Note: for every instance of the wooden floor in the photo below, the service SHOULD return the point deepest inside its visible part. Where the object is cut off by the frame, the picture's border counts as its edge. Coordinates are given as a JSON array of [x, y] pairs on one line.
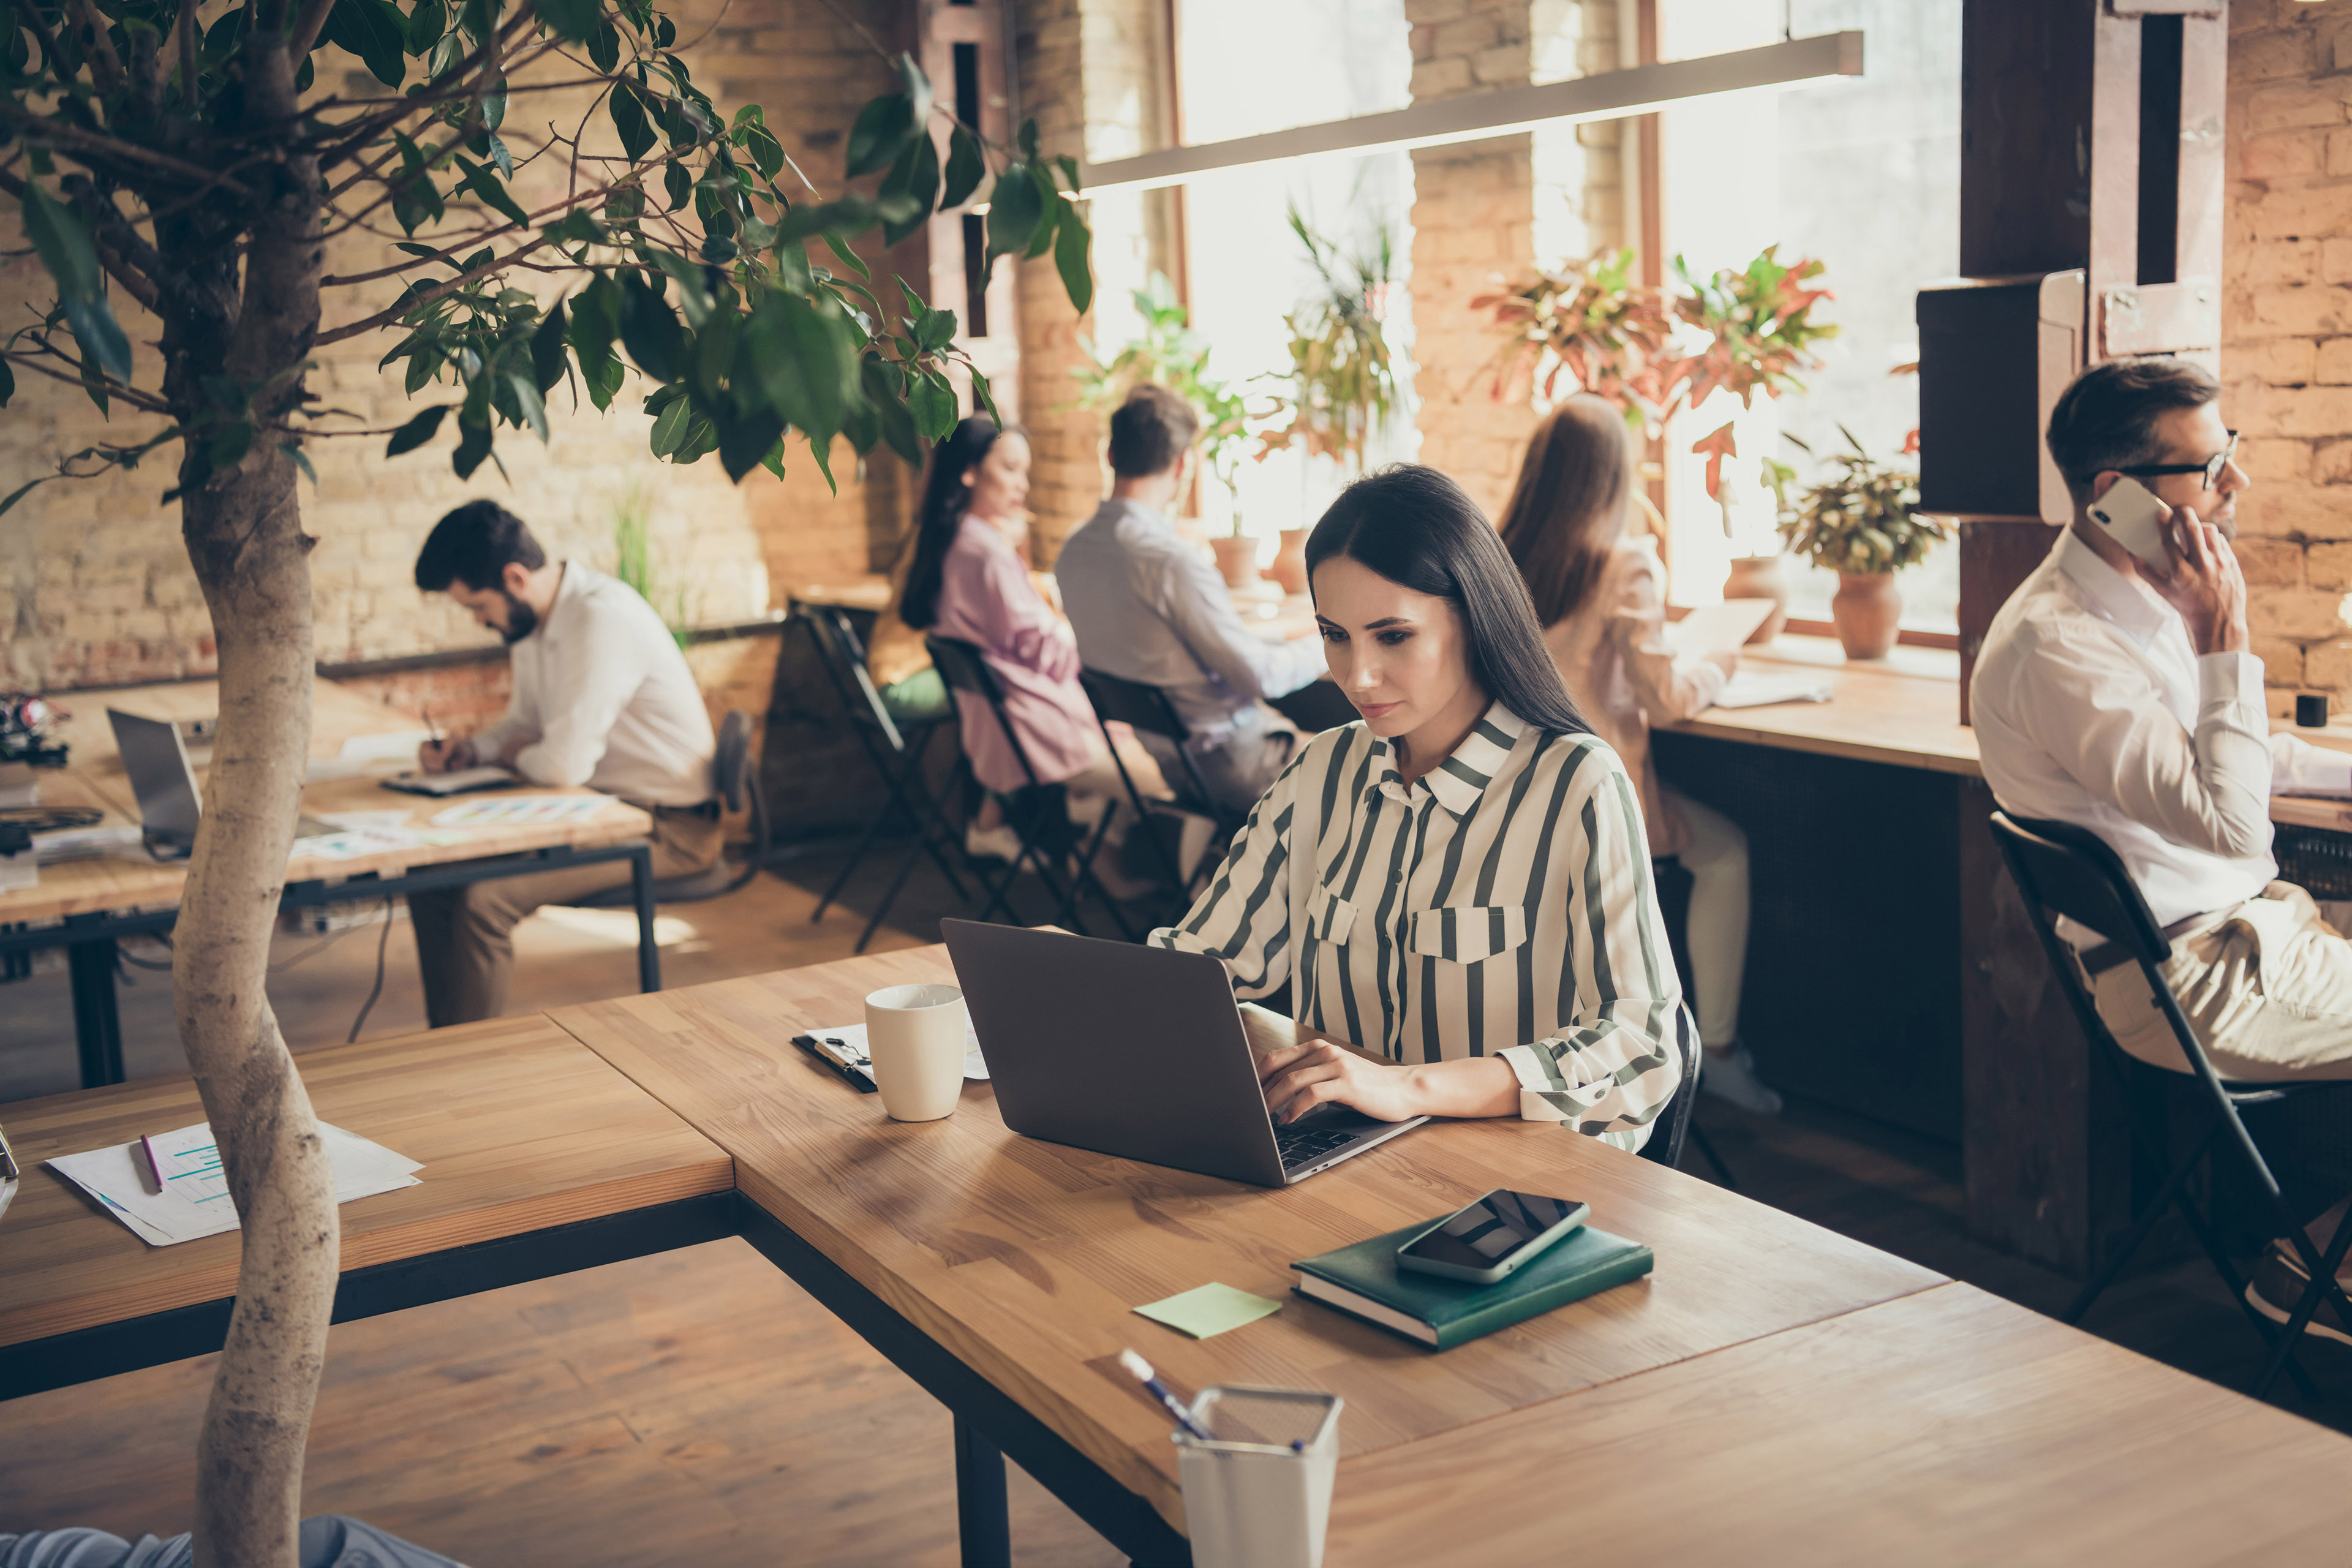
[[697, 1408]]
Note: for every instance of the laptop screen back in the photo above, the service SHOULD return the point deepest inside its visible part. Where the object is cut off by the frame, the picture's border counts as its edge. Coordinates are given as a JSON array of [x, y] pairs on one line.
[[157, 762]]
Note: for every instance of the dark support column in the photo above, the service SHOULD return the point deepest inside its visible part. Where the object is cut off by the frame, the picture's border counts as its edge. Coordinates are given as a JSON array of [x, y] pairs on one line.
[[982, 1516], [97, 1028], [641, 885]]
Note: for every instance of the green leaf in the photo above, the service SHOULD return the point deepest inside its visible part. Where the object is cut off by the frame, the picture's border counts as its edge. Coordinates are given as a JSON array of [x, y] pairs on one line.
[[965, 168], [628, 107], [916, 177], [473, 446], [744, 439], [775, 461], [692, 293], [604, 48], [56, 232], [846, 257], [500, 157], [571, 20], [650, 331], [21, 491], [1071, 245], [917, 87], [1050, 208], [800, 353], [933, 404], [300, 459], [483, 181], [983, 398], [102, 339], [7, 388], [1026, 138], [419, 429], [425, 26], [669, 427], [821, 450], [881, 129], [677, 184], [766, 153], [1014, 210], [547, 349], [376, 32], [228, 448], [805, 218], [534, 407]]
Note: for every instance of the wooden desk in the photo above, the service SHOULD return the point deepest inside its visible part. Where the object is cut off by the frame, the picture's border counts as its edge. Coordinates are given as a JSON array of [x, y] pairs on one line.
[[1946, 1427], [535, 1153], [85, 906], [957, 1243]]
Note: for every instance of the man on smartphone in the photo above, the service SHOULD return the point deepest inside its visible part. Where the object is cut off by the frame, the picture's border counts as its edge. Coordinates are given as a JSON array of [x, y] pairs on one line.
[[602, 697], [2123, 696]]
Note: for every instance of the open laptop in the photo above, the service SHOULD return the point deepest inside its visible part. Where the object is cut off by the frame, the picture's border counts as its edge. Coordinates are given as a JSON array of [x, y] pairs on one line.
[[1139, 1052], [156, 758]]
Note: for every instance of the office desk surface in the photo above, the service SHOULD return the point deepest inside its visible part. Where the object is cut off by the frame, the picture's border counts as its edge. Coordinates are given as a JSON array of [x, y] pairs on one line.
[[520, 1128], [1026, 1259], [1946, 1427]]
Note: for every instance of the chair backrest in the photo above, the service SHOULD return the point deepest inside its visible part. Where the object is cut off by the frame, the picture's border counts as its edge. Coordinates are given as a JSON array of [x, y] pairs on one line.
[[730, 765], [1673, 1123], [2072, 871], [1135, 704], [843, 655], [963, 668]]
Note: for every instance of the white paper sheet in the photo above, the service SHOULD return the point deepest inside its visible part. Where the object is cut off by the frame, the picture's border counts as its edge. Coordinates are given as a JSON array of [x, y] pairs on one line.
[[519, 810], [195, 1201], [850, 1050], [1717, 626], [1750, 690], [352, 843]]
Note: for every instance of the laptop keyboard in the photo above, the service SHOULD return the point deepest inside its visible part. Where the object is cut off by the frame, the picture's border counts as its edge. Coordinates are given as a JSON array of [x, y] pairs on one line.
[[1302, 1145]]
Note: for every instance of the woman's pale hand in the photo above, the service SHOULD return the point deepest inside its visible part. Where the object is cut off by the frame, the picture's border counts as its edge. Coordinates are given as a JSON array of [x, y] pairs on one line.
[[1299, 1078], [1726, 660]]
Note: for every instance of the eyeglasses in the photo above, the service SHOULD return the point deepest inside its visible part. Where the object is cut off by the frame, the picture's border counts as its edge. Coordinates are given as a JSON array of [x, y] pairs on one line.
[[2211, 468]]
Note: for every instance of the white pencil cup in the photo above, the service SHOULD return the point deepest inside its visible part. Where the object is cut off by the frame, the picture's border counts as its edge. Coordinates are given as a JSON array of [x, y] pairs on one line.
[[1258, 1495], [914, 1037]]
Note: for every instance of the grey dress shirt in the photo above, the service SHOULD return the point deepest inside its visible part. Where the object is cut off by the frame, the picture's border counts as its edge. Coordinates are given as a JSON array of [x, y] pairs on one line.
[[1147, 608]]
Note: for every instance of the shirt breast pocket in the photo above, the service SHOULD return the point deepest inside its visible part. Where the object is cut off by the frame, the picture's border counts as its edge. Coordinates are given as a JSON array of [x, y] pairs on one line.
[[1469, 934], [1330, 917]]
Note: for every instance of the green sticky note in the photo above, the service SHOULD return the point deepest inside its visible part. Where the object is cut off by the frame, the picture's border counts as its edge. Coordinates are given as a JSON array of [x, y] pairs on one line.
[[1208, 1309]]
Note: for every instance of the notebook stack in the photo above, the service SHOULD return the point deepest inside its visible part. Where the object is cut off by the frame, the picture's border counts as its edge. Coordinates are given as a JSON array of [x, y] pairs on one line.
[[1364, 1282]]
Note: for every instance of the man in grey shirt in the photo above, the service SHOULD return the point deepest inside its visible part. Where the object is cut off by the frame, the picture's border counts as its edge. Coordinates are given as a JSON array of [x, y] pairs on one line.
[[1146, 607]]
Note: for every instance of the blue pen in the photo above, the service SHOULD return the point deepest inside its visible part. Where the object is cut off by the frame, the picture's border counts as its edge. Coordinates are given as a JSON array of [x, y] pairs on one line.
[[1176, 1407]]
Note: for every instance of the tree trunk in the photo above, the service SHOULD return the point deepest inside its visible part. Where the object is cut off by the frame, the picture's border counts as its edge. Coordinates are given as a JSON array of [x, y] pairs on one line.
[[244, 532]]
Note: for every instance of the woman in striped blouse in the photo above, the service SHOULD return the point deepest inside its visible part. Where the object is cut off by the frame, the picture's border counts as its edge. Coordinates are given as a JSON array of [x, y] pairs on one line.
[[1477, 909]]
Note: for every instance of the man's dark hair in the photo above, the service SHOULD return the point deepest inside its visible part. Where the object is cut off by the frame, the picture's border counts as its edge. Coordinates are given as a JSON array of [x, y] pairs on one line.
[[1151, 431], [2106, 420], [473, 546]]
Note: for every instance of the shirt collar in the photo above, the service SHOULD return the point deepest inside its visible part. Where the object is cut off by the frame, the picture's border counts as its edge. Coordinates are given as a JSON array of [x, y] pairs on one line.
[[2131, 606], [1459, 782]]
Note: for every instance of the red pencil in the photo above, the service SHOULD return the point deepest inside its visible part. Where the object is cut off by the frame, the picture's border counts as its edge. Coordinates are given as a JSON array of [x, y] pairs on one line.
[[154, 1165]]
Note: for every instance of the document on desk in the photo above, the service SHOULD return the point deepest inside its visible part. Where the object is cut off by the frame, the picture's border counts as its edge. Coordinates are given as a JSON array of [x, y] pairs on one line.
[[846, 1048], [1713, 628], [520, 811], [195, 1201], [1750, 690], [351, 842]]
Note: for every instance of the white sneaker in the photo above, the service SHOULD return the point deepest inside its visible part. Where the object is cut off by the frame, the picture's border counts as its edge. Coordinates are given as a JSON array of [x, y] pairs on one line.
[[997, 843], [1731, 1078]]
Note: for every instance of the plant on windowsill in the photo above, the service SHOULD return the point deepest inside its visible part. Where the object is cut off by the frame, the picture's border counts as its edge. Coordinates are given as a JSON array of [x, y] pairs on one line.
[[1863, 523], [1342, 381], [1170, 353]]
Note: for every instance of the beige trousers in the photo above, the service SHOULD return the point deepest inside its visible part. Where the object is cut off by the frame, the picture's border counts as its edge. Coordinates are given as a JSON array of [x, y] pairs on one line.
[[1717, 930], [2266, 985], [464, 936]]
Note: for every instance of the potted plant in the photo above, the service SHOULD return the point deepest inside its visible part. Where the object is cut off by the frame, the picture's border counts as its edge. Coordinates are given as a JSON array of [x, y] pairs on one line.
[[1170, 353], [1863, 523], [1342, 382]]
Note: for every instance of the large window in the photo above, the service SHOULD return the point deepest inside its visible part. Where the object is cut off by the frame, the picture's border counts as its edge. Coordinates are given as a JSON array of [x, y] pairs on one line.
[[1240, 72], [1863, 174]]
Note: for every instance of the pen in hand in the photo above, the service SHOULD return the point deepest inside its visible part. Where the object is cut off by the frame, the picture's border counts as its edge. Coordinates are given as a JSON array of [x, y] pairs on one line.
[[1142, 1370]]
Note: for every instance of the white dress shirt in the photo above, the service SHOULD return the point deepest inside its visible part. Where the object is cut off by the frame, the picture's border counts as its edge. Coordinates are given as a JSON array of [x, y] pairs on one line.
[[605, 699], [1146, 607], [2090, 706]]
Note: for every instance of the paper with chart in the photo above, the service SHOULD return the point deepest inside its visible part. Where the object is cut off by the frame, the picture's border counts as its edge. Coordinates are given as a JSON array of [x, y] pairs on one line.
[[195, 1201], [847, 1047], [520, 811]]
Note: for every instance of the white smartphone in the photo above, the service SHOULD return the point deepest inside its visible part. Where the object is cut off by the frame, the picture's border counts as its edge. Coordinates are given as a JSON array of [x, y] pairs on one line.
[[2135, 518]]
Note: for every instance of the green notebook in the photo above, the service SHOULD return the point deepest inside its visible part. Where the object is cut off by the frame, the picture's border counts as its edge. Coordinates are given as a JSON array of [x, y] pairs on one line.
[[1364, 1282]]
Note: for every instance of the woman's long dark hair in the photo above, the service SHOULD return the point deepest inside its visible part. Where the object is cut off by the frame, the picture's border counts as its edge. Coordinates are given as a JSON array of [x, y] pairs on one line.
[[1417, 529], [945, 496], [1567, 509]]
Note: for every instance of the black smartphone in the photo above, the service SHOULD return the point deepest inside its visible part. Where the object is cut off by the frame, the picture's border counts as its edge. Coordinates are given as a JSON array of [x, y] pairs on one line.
[[1486, 1241]]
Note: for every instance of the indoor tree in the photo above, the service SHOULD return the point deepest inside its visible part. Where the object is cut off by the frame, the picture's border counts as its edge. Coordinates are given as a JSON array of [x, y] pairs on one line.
[[204, 167]]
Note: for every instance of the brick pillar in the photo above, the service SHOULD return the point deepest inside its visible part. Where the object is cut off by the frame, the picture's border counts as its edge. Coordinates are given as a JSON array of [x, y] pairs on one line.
[[1484, 209]]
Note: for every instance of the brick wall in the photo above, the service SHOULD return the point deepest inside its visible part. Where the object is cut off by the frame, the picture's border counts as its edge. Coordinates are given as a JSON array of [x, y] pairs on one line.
[[2286, 332], [1488, 208], [95, 572]]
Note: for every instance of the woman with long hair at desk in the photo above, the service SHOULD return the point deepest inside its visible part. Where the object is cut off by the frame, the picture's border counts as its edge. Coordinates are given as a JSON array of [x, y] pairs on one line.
[[1458, 883], [1600, 598]]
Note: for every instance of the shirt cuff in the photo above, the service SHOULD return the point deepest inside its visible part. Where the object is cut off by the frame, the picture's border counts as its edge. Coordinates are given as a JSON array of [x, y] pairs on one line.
[[2230, 678], [1542, 1096]]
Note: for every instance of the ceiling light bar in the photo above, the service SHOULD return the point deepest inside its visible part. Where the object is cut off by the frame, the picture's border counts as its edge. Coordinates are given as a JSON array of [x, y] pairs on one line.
[[1474, 117]]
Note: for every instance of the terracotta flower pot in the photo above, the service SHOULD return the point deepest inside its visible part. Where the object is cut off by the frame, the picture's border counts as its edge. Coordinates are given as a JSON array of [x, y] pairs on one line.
[[1237, 558], [1760, 577], [1289, 564], [1866, 610]]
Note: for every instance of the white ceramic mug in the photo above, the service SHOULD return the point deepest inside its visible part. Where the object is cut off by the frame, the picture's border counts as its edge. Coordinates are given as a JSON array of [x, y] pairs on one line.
[[915, 1034]]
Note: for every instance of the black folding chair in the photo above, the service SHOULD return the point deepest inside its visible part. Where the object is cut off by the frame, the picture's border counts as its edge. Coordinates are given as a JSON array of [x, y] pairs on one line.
[[1673, 881], [1673, 1123], [2069, 870], [1147, 710], [1037, 813], [734, 774], [897, 751]]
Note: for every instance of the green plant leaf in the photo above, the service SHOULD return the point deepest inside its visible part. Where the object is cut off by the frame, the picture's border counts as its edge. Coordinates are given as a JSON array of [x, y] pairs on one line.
[[650, 331], [677, 184], [418, 430], [965, 168], [1014, 210], [805, 218], [56, 232], [374, 31], [627, 106], [801, 356], [227, 449], [425, 26], [534, 408], [547, 349], [571, 20], [1072, 243], [473, 446], [881, 129], [7, 384], [604, 48], [1050, 208], [300, 459], [484, 182], [933, 405], [100, 337], [915, 180]]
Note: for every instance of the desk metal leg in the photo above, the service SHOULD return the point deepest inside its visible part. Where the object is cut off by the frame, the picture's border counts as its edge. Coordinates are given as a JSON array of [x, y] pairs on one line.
[[641, 885], [982, 1516], [98, 1026]]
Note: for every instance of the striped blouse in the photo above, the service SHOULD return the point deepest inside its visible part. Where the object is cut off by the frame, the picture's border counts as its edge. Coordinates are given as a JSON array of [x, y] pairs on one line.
[[1502, 905]]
